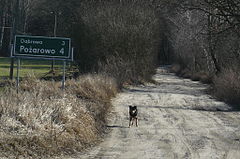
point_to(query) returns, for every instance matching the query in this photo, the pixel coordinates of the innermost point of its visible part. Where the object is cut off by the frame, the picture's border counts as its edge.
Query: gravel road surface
(177, 119)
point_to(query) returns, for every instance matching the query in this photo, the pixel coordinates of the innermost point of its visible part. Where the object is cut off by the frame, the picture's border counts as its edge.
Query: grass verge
(37, 67)
(43, 121)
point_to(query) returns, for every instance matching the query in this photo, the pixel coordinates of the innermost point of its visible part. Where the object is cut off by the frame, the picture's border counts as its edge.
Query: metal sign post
(18, 67)
(64, 75)
(64, 70)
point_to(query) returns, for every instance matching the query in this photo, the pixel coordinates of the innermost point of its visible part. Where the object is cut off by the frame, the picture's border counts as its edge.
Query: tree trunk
(2, 31)
(211, 44)
(3, 27)
(15, 29)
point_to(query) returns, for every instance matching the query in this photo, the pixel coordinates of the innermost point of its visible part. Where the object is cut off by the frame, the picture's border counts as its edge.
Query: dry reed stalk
(43, 121)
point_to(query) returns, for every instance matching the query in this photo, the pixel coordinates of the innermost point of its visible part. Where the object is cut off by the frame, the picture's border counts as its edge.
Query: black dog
(133, 112)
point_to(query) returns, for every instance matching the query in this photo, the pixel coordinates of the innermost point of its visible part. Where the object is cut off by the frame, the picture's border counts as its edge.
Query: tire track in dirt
(176, 120)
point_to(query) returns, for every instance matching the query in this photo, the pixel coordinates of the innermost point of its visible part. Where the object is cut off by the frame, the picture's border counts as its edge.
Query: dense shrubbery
(227, 86)
(119, 39)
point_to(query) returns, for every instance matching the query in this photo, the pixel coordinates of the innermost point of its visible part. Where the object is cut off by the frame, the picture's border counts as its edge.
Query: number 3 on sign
(62, 51)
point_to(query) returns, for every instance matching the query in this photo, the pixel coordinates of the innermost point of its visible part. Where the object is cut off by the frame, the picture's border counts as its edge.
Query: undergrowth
(185, 72)
(118, 39)
(227, 87)
(43, 121)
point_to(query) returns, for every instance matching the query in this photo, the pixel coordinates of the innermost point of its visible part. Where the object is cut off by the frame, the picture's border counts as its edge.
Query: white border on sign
(13, 54)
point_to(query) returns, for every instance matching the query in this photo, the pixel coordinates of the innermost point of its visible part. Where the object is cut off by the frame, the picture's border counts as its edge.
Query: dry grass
(93, 86)
(202, 76)
(227, 86)
(43, 121)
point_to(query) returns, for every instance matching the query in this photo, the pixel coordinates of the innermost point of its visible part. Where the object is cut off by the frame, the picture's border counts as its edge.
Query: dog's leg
(130, 120)
(136, 122)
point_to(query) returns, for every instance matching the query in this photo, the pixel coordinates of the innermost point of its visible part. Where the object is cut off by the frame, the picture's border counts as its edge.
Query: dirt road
(177, 119)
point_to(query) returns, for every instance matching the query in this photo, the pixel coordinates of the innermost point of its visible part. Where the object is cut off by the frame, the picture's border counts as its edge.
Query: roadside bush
(124, 33)
(97, 90)
(201, 76)
(175, 68)
(120, 69)
(227, 86)
(93, 87)
(180, 71)
(43, 121)
(187, 73)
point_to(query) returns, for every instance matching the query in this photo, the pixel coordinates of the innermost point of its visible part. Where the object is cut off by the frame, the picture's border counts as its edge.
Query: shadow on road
(196, 109)
(115, 126)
